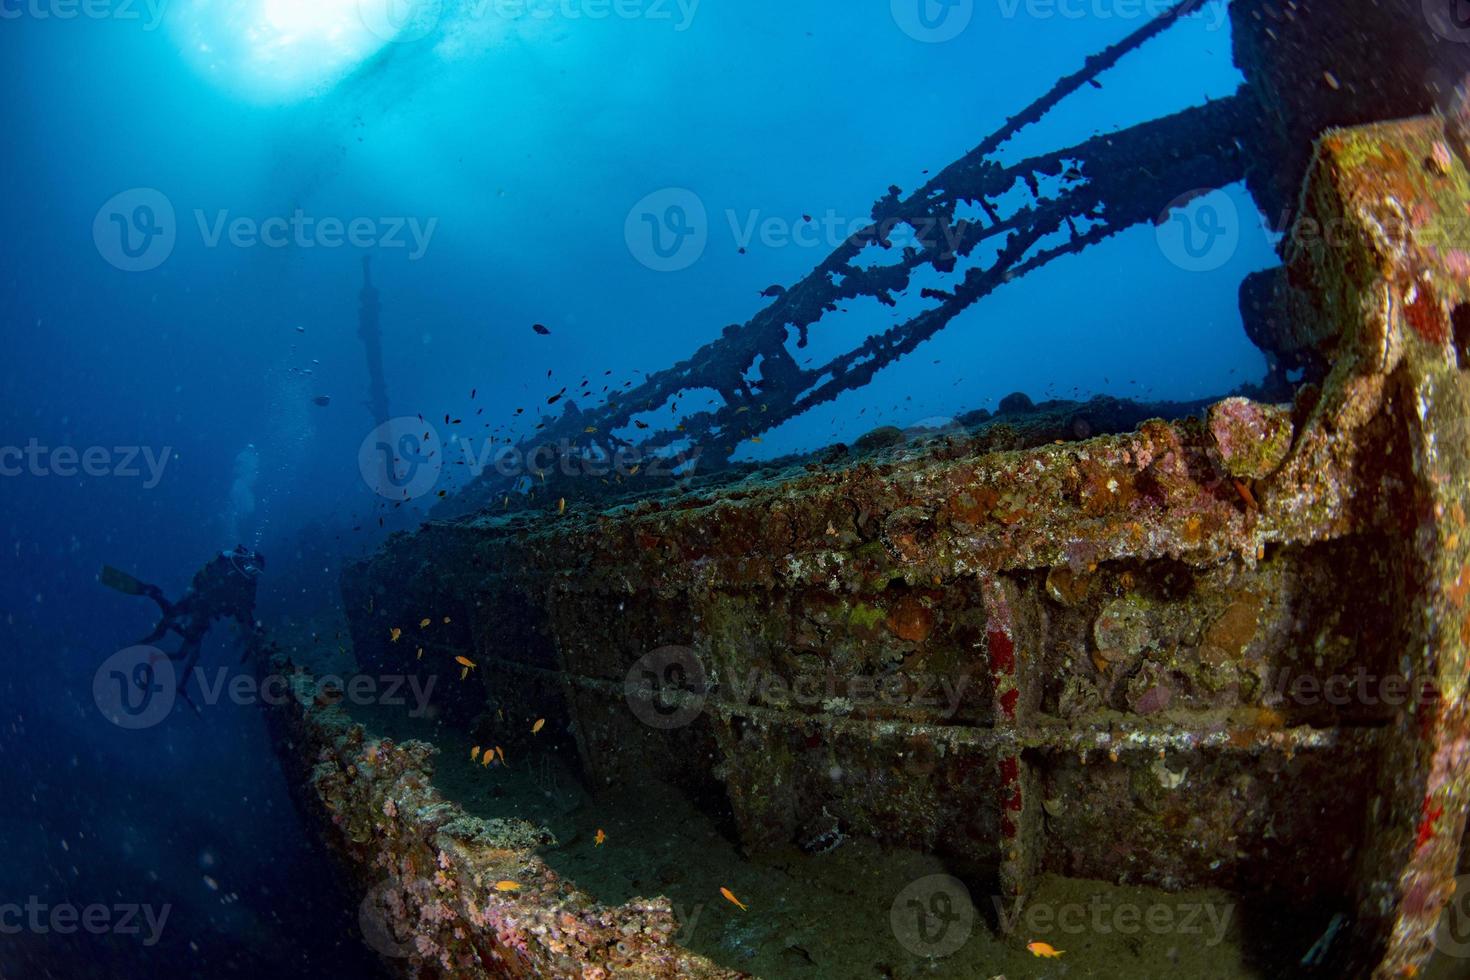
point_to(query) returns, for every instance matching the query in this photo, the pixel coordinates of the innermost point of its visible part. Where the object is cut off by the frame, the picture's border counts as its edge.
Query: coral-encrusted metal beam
(1078, 197)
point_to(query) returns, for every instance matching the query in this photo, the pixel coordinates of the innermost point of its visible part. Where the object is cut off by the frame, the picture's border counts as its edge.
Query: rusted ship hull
(1227, 650)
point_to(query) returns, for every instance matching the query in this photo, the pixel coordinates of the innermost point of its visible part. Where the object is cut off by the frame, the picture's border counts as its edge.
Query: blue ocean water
(191, 190)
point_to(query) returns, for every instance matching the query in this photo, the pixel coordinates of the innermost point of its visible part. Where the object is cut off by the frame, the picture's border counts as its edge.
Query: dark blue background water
(523, 143)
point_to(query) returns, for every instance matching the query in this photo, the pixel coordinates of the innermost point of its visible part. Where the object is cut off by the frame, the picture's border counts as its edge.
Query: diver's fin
(121, 581)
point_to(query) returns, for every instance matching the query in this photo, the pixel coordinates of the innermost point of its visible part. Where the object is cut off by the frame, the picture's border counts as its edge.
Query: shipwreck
(1215, 650)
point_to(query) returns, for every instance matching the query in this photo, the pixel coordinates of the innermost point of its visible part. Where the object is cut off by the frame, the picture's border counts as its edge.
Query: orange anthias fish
(507, 886)
(601, 838)
(1044, 950)
(424, 622)
(502, 755)
(395, 633)
(489, 758)
(540, 724)
(475, 754)
(730, 897)
(466, 662)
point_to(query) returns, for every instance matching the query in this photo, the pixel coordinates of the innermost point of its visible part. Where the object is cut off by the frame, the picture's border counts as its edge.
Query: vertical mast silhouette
(372, 343)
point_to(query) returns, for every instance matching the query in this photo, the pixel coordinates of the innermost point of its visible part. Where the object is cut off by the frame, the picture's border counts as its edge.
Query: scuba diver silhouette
(223, 589)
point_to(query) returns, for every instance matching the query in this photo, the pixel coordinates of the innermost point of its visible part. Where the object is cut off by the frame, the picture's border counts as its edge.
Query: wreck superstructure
(1226, 650)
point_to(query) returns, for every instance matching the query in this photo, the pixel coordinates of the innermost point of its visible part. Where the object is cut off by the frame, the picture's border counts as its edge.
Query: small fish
(502, 755)
(601, 838)
(395, 633)
(475, 754)
(465, 662)
(541, 329)
(1044, 950)
(772, 291)
(489, 758)
(420, 654)
(322, 400)
(464, 673)
(730, 897)
(561, 506)
(507, 886)
(423, 623)
(540, 724)
(1246, 495)
(446, 620)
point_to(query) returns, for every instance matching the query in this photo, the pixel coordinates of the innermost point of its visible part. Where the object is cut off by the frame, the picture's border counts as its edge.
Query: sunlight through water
(279, 50)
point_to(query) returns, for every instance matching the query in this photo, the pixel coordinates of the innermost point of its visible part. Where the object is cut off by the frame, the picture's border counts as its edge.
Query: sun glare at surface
(277, 50)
